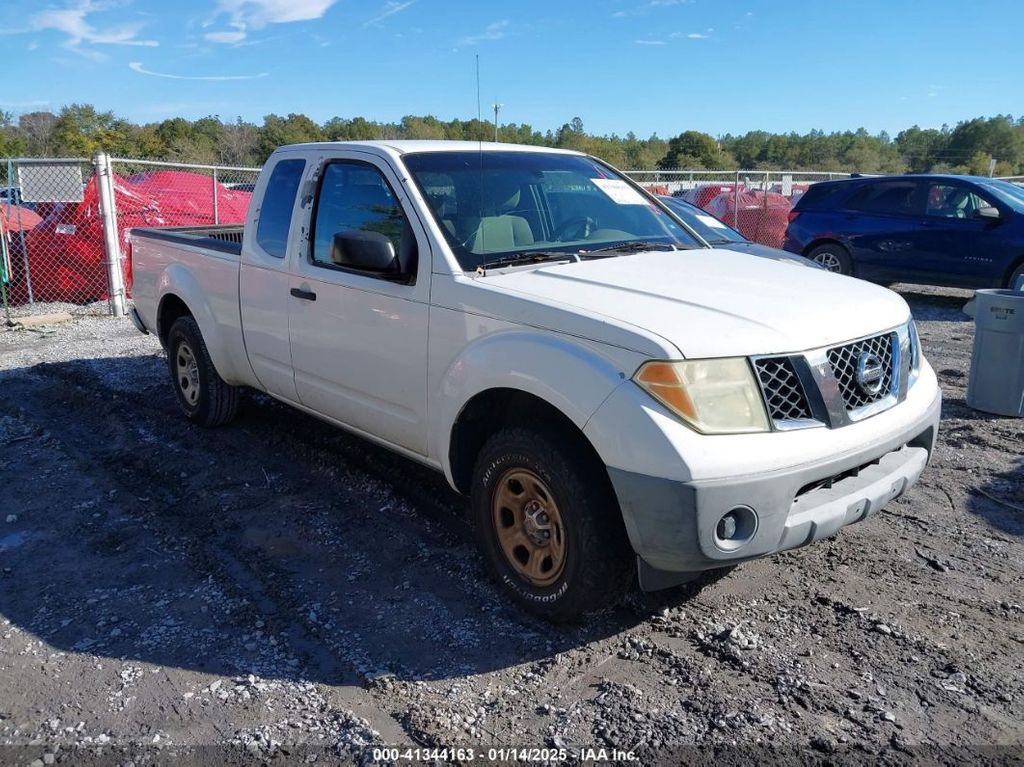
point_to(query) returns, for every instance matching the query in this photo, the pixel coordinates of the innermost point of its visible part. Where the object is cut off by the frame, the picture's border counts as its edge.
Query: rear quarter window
(816, 196)
(278, 203)
(889, 197)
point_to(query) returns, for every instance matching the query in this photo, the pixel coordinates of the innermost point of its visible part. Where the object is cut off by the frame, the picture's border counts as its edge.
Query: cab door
(263, 278)
(956, 245)
(358, 331)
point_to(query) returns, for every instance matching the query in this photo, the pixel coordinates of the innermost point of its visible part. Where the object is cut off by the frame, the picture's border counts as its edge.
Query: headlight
(915, 350)
(712, 396)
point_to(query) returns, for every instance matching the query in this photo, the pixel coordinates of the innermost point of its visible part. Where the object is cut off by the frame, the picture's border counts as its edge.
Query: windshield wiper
(528, 257)
(635, 246)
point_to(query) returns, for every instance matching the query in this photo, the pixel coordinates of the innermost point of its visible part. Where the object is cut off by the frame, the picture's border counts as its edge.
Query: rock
(12, 518)
(882, 628)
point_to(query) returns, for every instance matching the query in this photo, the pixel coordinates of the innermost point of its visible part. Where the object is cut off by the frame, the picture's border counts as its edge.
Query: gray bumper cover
(672, 524)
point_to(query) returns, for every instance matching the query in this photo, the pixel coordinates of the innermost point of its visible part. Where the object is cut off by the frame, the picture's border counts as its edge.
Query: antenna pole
(478, 112)
(497, 108)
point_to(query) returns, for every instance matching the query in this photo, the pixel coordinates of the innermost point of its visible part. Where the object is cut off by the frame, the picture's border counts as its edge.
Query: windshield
(1011, 194)
(492, 205)
(704, 224)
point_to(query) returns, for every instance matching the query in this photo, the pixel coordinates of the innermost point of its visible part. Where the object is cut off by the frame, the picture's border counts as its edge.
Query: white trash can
(996, 384)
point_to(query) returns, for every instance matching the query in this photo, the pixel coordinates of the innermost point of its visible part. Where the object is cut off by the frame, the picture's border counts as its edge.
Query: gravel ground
(277, 587)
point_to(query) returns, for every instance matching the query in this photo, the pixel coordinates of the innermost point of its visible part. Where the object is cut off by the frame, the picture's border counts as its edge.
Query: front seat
(496, 229)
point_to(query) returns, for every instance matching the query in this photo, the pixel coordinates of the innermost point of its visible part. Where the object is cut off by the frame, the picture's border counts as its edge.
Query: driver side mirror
(365, 251)
(987, 212)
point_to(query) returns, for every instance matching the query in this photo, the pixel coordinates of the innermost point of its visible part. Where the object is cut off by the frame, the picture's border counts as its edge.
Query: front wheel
(202, 394)
(548, 524)
(1018, 273)
(833, 257)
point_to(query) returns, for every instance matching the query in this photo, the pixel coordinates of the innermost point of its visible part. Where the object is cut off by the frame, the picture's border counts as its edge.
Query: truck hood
(716, 303)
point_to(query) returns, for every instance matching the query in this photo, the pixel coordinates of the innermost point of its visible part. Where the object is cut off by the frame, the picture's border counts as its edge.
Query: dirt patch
(278, 585)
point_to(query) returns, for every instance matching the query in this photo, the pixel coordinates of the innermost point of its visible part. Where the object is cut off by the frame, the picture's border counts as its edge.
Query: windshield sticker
(711, 221)
(619, 191)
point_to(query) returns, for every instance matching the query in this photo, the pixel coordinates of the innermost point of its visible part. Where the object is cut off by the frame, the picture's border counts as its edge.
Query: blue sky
(643, 65)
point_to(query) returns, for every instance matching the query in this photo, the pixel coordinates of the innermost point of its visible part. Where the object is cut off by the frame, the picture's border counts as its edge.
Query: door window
(355, 200)
(893, 197)
(953, 201)
(278, 202)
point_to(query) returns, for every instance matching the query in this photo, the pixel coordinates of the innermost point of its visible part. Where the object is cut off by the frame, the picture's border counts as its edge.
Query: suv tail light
(793, 214)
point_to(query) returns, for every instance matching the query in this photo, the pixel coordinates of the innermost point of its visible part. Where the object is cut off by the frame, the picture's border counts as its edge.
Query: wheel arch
(491, 410)
(171, 308)
(816, 243)
(1014, 266)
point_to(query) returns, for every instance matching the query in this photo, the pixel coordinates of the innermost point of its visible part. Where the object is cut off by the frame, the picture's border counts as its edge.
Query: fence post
(736, 203)
(216, 211)
(111, 242)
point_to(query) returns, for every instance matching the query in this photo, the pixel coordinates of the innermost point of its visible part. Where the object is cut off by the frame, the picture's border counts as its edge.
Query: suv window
(278, 202)
(355, 196)
(894, 197)
(947, 200)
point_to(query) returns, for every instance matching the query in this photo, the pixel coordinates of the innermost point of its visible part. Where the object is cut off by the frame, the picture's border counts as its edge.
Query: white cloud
(697, 36)
(72, 21)
(236, 35)
(646, 7)
(256, 14)
(650, 42)
(390, 9)
(259, 13)
(494, 31)
(136, 66)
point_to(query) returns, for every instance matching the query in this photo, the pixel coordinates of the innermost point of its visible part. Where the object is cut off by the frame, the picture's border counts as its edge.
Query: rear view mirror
(366, 251)
(987, 212)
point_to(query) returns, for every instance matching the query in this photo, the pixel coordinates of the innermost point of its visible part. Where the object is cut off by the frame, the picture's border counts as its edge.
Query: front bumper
(674, 524)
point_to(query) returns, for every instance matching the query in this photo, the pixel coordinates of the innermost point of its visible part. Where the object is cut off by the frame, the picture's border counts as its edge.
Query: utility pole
(497, 108)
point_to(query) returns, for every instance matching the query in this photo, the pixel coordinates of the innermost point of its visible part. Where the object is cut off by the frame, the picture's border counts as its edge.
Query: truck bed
(226, 238)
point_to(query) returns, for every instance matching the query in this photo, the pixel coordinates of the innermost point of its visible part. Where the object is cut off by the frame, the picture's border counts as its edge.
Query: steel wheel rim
(186, 373)
(830, 261)
(529, 527)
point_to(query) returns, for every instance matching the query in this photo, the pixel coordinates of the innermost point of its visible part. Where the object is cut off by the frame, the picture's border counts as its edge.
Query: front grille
(844, 360)
(783, 392)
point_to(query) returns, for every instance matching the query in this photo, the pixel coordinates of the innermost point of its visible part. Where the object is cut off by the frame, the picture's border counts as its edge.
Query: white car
(616, 398)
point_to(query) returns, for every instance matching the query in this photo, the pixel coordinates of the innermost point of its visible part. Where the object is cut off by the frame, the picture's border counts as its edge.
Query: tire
(202, 395)
(1016, 275)
(833, 257)
(549, 525)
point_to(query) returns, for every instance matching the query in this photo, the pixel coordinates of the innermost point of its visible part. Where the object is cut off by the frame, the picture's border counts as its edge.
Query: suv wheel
(202, 394)
(833, 257)
(549, 525)
(1017, 274)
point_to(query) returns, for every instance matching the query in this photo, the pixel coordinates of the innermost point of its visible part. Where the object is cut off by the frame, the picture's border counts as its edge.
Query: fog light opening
(735, 528)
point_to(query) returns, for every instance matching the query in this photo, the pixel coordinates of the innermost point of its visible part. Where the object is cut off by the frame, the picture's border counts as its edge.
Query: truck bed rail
(223, 239)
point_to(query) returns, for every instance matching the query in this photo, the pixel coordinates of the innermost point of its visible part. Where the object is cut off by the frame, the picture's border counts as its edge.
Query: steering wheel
(578, 228)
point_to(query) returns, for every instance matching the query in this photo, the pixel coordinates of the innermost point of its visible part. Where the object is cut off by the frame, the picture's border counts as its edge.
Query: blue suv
(959, 231)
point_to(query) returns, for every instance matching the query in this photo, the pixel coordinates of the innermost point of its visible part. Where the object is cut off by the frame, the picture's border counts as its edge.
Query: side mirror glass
(366, 251)
(987, 212)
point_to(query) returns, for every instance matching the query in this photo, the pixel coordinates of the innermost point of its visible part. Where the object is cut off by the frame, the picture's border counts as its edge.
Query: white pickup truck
(617, 399)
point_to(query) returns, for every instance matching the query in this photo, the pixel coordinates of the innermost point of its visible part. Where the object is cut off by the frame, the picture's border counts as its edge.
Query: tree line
(80, 130)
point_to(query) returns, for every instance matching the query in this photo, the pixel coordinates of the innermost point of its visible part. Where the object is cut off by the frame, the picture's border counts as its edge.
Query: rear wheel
(833, 257)
(548, 524)
(202, 394)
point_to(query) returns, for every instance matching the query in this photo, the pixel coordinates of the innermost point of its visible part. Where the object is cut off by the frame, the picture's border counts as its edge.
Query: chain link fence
(755, 202)
(45, 237)
(63, 224)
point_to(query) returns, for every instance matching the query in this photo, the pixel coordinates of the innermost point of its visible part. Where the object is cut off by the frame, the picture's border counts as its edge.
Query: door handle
(306, 295)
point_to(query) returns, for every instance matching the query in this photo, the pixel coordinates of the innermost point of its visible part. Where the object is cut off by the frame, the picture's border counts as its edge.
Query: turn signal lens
(712, 396)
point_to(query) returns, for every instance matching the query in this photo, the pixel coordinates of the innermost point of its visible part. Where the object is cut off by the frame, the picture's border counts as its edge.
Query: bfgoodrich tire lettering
(203, 396)
(571, 497)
